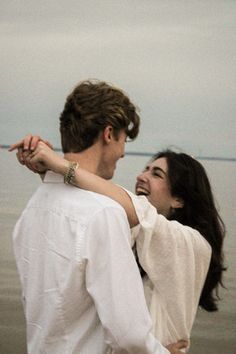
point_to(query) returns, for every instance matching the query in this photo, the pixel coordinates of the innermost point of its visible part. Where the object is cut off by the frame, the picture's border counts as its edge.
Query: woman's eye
(157, 174)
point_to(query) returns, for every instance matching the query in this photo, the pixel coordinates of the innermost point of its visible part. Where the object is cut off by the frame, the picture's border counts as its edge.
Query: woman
(178, 232)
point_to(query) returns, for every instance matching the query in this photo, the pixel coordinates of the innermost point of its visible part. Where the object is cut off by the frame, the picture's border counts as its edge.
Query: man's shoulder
(72, 202)
(72, 198)
(102, 200)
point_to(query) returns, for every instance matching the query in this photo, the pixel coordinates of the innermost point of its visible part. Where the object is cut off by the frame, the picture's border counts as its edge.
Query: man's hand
(175, 348)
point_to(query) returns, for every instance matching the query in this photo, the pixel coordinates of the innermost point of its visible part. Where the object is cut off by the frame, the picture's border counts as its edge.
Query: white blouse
(176, 259)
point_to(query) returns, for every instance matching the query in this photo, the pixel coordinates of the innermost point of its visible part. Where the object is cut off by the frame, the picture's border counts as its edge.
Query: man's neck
(87, 159)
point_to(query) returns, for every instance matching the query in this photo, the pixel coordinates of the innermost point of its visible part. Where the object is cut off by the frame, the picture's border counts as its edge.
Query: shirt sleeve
(113, 281)
(168, 246)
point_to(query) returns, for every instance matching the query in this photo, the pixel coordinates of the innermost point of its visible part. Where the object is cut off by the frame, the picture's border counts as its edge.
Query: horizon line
(150, 154)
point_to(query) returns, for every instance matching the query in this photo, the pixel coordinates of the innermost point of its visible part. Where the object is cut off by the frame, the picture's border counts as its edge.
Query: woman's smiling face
(153, 182)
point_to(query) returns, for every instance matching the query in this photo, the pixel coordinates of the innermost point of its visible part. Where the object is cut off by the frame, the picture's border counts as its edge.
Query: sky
(175, 59)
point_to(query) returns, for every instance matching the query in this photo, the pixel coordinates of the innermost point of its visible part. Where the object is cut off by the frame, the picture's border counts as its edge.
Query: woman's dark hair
(188, 181)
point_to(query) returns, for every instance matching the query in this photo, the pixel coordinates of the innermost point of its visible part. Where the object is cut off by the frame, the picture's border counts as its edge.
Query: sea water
(213, 333)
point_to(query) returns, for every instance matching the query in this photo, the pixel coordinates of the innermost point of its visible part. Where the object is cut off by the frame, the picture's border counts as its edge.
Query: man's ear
(177, 203)
(108, 134)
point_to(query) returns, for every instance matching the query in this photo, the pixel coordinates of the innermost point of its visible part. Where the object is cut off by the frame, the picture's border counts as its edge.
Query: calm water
(212, 334)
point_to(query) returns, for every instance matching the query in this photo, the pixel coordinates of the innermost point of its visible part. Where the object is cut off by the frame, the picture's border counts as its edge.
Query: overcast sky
(175, 59)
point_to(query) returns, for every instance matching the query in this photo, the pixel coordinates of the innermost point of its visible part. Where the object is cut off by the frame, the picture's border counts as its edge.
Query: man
(82, 292)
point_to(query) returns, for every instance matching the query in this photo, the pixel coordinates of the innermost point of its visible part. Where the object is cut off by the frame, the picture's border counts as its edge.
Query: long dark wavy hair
(188, 181)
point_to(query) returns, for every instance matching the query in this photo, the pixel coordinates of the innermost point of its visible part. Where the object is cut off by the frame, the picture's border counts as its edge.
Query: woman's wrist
(63, 166)
(69, 176)
(58, 164)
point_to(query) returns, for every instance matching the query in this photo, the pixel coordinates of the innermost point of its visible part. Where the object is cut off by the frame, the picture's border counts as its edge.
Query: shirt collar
(52, 177)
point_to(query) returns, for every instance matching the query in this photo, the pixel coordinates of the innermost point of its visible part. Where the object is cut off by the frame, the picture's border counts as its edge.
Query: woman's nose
(142, 177)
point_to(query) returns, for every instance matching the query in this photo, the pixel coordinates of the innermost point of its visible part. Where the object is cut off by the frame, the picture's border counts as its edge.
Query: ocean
(213, 333)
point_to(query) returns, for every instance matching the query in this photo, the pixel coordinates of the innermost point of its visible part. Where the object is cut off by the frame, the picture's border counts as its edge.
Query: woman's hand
(175, 348)
(28, 148)
(24, 148)
(43, 158)
(29, 142)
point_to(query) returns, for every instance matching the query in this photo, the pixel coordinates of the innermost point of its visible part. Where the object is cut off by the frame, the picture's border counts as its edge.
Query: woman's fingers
(29, 142)
(18, 145)
(48, 144)
(33, 142)
(24, 143)
(175, 348)
(20, 156)
(35, 153)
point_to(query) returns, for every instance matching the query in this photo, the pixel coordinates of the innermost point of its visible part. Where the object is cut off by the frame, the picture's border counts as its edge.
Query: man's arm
(113, 280)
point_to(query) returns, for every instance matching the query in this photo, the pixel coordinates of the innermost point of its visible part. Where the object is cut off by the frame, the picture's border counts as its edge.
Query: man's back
(82, 291)
(52, 242)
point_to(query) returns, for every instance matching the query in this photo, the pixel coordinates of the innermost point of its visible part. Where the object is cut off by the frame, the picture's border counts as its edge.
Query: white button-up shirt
(82, 291)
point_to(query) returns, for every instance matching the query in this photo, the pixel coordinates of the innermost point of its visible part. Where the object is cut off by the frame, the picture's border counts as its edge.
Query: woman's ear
(177, 203)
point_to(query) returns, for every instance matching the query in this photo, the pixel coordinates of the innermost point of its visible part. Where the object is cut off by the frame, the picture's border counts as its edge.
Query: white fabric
(176, 259)
(82, 292)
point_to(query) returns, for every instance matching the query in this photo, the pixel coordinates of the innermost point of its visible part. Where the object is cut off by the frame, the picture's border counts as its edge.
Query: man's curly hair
(91, 107)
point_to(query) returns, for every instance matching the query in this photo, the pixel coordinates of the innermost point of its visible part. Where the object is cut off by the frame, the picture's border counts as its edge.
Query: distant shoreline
(149, 154)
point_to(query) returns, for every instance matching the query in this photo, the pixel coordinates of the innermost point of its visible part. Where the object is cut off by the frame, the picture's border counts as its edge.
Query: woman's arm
(94, 183)
(42, 158)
